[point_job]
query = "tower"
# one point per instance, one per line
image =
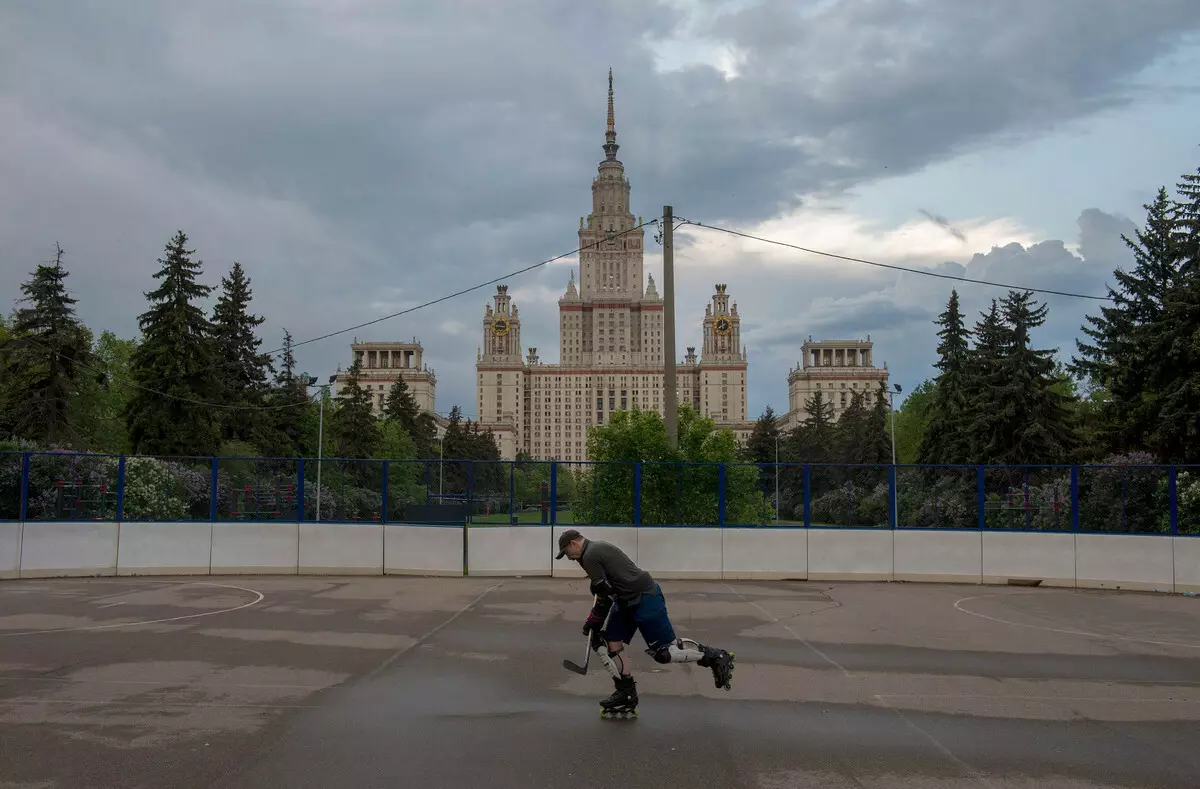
(501, 329)
(501, 373)
(610, 260)
(611, 328)
(722, 368)
(722, 330)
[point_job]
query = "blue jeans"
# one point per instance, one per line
(649, 616)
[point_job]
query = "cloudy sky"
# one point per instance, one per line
(359, 158)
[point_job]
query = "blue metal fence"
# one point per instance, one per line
(1126, 499)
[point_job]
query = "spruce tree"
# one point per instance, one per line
(455, 448)
(425, 436)
(173, 364)
(812, 441)
(354, 431)
(1120, 359)
(46, 356)
(879, 421)
(1034, 416)
(764, 440)
(288, 427)
(851, 432)
(1176, 376)
(242, 376)
(401, 407)
(983, 422)
(947, 439)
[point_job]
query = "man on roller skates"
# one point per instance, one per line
(631, 601)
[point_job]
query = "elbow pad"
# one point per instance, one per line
(601, 588)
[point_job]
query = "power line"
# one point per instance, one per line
(248, 407)
(456, 294)
(895, 267)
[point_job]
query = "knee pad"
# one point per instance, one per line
(679, 651)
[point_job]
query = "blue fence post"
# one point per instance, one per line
(24, 505)
(678, 494)
(893, 516)
(807, 495)
(120, 488)
(300, 490)
(1075, 498)
(512, 488)
(721, 495)
(637, 493)
(1172, 491)
(212, 493)
(383, 509)
(470, 485)
(553, 492)
(981, 497)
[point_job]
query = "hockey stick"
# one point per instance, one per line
(571, 665)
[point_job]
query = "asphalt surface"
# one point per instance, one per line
(383, 682)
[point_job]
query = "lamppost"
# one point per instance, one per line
(777, 436)
(441, 464)
(892, 402)
(324, 389)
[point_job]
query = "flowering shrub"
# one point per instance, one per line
(851, 505)
(1124, 496)
(1187, 492)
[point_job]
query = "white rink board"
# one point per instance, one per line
(849, 554)
(255, 548)
(509, 550)
(1187, 564)
(341, 548)
(90, 548)
(624, 537)
(765, 553)
(1048, 557)
(1124, 561)
(938, 556)
(668, 552)
(415, 549)
(167, 548)
(65, 548)
(10, 549)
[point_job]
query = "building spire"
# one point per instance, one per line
(610, 133)
(612, 122)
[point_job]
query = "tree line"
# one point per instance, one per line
(194, 383)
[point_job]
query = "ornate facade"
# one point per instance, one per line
(610, 341)
(838, 368)
(383, 363)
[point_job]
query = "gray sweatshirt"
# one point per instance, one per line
(602, 560)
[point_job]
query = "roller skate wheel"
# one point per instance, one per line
(623, 715)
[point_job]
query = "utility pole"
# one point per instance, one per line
(892, 408)
(670, 392)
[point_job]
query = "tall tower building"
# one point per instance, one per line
(610, 340)
(501, 373)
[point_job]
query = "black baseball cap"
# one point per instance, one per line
(564, 539)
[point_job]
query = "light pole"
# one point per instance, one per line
(324, 389)
(777, 435)
(892, 401)
(441, 464)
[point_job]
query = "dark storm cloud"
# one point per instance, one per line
(361, 157)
